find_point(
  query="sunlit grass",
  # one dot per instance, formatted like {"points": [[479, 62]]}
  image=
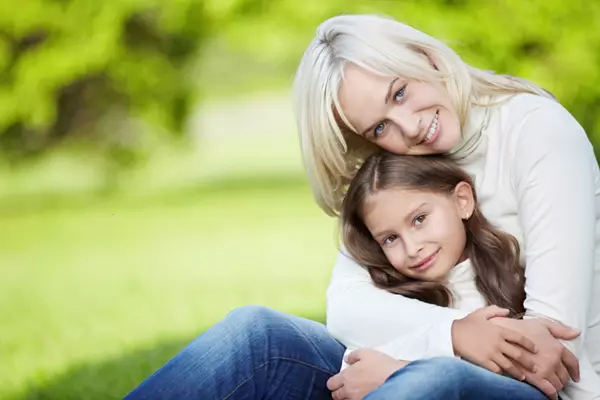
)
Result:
{"points": [[97, 292]]}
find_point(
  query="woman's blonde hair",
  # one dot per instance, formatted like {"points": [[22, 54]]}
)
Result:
{"points": [[331, 150]]}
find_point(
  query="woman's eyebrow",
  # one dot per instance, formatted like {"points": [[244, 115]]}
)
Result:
{"points": [[388, 95], [389, 92]]}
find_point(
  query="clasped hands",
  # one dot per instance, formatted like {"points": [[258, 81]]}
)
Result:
{"points": [[528, 350]]}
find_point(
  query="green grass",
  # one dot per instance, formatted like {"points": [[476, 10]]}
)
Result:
{"points": [[97, 292]]}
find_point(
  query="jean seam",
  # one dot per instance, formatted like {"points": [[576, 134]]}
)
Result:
{"points": [[316, 348], [267, 362]]}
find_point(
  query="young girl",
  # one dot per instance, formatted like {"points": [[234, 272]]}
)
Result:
{"points": [[415, 225]]}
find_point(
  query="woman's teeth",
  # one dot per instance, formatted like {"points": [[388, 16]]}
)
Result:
{"points": [[432, 128]]}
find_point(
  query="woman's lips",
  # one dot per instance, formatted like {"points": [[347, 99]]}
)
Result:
{"points": [[433, 130]]}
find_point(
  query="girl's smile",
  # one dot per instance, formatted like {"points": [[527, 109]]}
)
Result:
{"points": [[420, 232], [423, 265]]}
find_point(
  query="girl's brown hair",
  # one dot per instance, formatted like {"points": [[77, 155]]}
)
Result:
{"points": [[494, 254]]}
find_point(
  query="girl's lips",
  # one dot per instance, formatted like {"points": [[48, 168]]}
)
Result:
{"points": [[426, 263]]}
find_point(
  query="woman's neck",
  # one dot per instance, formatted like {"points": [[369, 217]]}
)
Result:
{"points": [[476, 123]]}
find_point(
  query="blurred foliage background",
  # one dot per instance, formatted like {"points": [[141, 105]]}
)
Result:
{"points": [[150, 179]]}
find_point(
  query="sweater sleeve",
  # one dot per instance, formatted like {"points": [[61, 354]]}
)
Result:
{"points": [[360, 315], [553, 173]]}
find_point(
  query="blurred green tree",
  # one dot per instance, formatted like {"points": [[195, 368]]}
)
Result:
{"points": [[104, 72], [111, 73], [554, 43]]}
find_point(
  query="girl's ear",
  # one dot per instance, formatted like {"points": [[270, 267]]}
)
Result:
{"points": [[464, 200]]}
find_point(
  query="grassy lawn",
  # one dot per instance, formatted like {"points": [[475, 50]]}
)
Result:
{"points": [[96, 293]]}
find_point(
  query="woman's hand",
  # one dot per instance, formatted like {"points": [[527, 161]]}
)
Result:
{"points": [[554, 364], [492, 346], [367, 371]]}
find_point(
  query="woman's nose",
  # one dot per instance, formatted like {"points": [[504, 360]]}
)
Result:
{"points": [[409, 124]]}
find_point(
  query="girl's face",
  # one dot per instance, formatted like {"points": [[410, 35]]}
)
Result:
{"points": [[400, 116], [421, 232]]}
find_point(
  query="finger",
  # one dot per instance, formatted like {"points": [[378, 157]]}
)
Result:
{"points": [[555, 381], [492, 366], [563, 375], [339, 395], [494, 311], [542, 384], [519, 339], [519, 355], [335, 382], [353, 357], [571, 363], [509, 367], [561, 331]]}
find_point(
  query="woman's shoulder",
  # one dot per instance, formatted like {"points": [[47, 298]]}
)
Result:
{"points": [[526, 103], [536, 115]]}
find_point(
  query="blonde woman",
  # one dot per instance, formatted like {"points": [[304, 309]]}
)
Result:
{"points": [[368, 82]]}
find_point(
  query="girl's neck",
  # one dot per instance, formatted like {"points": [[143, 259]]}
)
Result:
{"points": [[463, 257]]}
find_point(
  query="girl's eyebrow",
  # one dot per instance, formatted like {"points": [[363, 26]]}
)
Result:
{"points": [[384, 232], [408, 218], [386, 100], [415, 210]]}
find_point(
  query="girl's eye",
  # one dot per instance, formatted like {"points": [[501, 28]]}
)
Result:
{"points": [[399, 94], [389, 239], [378, 130], [419, 219]]}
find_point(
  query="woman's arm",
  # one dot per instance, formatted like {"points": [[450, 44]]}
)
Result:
{"points": [[554, 175], [360, 315]]}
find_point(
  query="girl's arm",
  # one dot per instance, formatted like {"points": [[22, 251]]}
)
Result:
{"points": [[554, 175]]}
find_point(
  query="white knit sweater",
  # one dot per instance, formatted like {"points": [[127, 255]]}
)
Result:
{"points": [[537, 178]]}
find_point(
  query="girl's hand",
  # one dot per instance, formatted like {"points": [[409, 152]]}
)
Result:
{"points": [[367, 371], [554, 364], [492, 346]]}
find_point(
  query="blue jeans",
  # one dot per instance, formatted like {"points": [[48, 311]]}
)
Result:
{"points": [[259, 353], [451, 378]]}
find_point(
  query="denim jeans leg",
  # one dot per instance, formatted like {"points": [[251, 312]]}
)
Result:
{"points": [[447, 378], [253, 353]]}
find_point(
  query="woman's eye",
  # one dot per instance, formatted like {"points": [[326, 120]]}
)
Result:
{"points": [[389, 239], [378, 130], [399, 94], [420, 219]]}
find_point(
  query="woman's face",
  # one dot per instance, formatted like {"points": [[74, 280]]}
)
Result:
{"points": [[400, 116]]}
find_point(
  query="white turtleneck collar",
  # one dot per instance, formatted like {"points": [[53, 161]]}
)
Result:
{"points": [[461, 282], [473, 131]]}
